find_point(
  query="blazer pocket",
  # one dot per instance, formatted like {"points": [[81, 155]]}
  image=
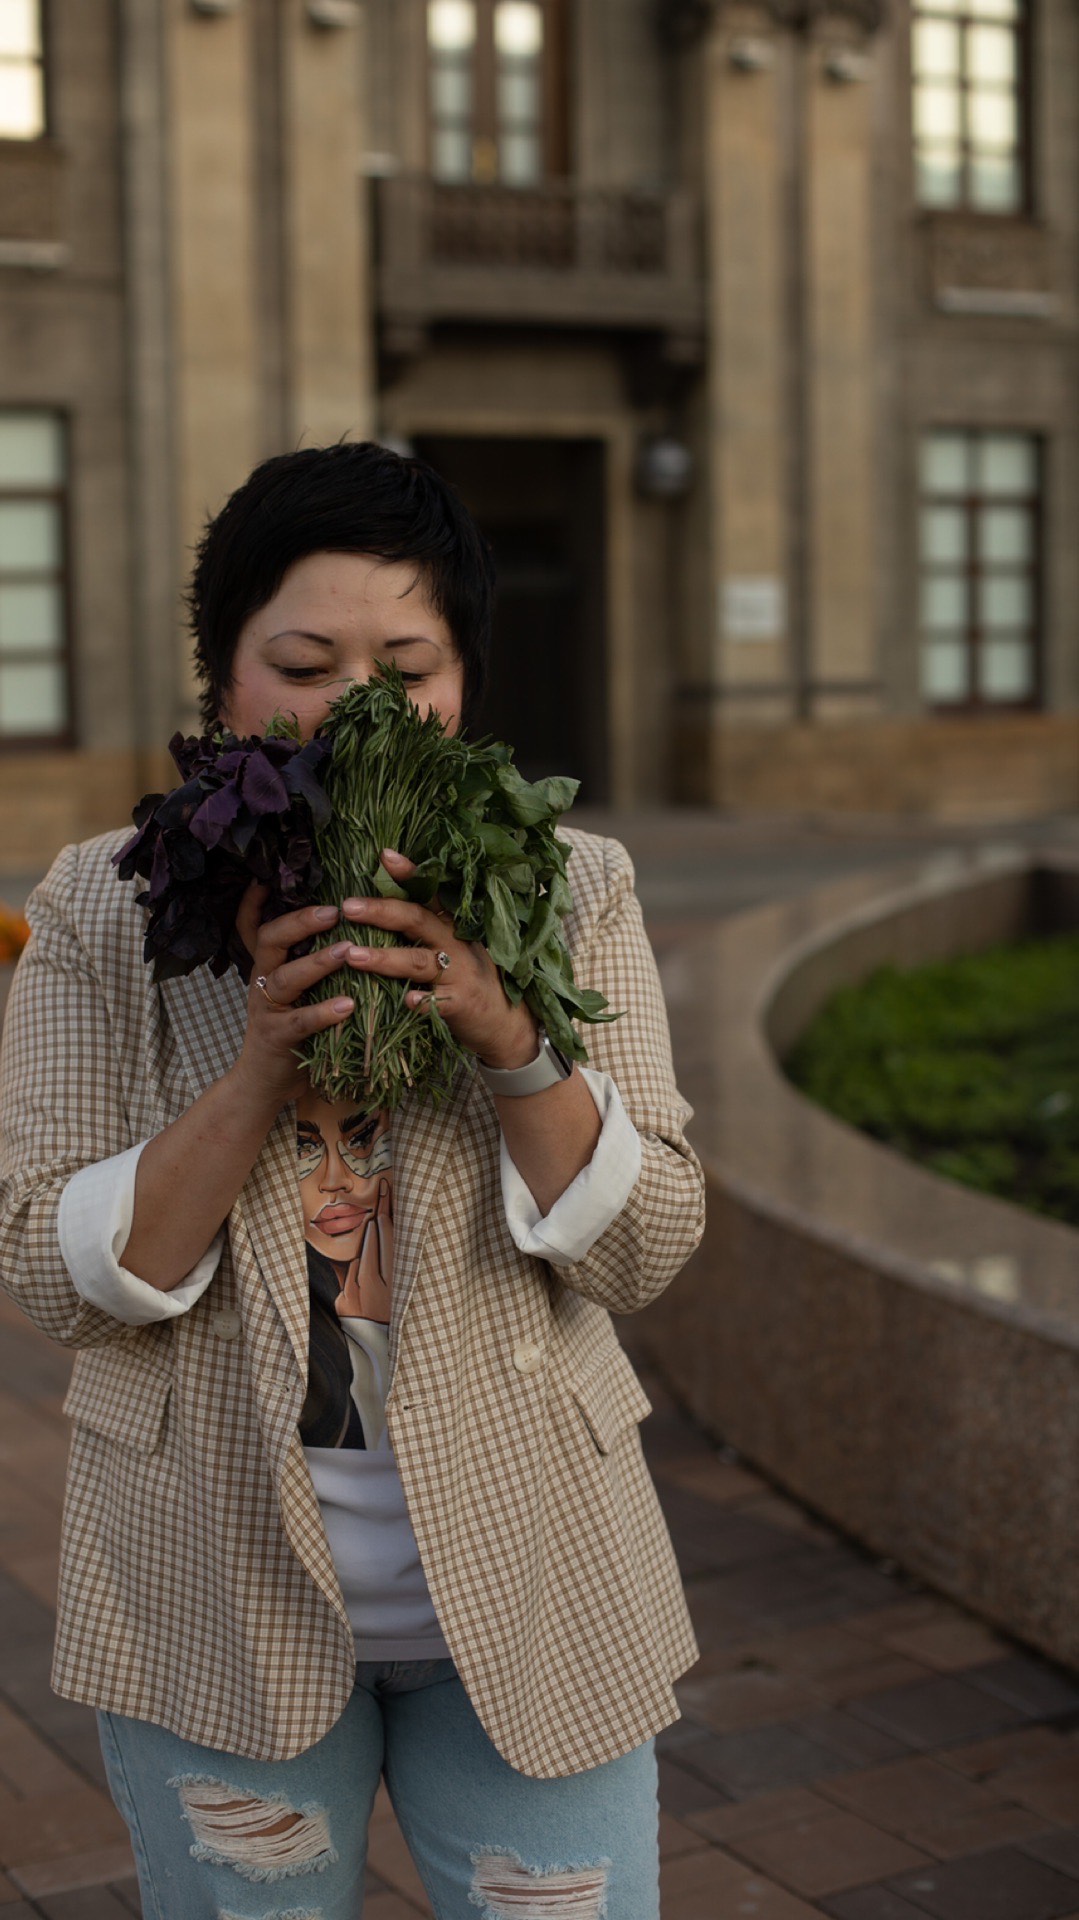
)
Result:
{"points": [[120, 1395], [611, 1398]]}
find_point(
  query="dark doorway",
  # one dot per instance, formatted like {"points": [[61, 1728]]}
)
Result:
{"points": [[540, 503]]}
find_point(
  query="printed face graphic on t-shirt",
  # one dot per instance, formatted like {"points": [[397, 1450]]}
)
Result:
{"points": [[344, 1161]]}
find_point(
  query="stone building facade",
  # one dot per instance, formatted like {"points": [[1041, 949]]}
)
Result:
{"points": [[748, 330]]}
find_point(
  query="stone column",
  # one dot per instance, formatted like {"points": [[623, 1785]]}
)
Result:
{"points": [[745, 673], [213, 280], [326, 227], [841, 376]]}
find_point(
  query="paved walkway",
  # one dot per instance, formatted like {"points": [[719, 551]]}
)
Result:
{"points": [[851, 1744]]}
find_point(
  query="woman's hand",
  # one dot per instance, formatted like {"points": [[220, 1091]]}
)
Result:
{"points": [[267, 1068], [468, 992]]}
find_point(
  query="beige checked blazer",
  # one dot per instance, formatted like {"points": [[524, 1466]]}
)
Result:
{"points": [[197, 1588]]}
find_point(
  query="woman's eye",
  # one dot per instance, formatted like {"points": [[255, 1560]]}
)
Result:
{"points": [[413, 679], [300, 673]]}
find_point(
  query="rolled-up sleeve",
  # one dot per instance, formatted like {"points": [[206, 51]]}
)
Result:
{"points": [[94, 1223], [592, 1200]]}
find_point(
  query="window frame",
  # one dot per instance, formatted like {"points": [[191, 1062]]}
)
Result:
{"points": [[1023, 93], [22, 141], [65, 738], [485, 124], [972, 502]]}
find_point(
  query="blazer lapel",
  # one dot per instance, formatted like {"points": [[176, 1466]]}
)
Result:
{"points": [[208, 1017], [422, 1139]]}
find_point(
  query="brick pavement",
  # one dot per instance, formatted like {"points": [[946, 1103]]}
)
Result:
{"points": [[851, 1745]]}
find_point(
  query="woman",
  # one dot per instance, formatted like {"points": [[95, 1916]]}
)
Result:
{"points": [[355, 1485]]}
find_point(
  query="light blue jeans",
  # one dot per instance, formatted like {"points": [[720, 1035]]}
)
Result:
{"points": [[218, 1837]]}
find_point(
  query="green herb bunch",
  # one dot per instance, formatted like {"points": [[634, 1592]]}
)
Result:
{"points": [[483, 839]]}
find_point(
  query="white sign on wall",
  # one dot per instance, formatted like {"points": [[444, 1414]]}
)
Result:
{"points": [[752, 607]]}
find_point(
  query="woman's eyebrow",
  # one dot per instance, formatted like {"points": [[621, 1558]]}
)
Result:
{"points": [[308, 1126], [324, 639], [356, 1121]]}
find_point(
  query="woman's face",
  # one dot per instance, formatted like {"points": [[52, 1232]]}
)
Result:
{"points": [[333, 619], [341, 1157]]}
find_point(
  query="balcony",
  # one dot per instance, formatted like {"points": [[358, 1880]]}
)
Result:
{"points": [[553, 256]]}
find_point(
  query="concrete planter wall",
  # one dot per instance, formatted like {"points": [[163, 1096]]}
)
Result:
{"points": [[900, 1352]]}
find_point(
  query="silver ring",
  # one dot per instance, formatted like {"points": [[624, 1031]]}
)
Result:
{"points": [[443, 960], [260, 982]]}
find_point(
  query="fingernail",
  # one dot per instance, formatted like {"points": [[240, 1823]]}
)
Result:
{"points": [[343, 1006], [356, 906], [359, 954], [391, 853], [325, 914]]}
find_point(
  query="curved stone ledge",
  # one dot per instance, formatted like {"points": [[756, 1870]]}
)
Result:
{"points": [[897, 1350]]}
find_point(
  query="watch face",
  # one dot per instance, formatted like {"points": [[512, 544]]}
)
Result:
{"points": [[554, 1053]]}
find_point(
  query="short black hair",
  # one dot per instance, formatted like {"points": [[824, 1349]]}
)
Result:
{"points": [[355, 497]]}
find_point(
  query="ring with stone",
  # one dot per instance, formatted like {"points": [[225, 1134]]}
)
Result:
{"points": [[443, 960], [260, 982]]}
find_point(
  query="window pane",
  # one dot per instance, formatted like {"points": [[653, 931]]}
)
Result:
{"points": [[942, 6], [1007, 463], [1006, 669], [22, 102], [936, 48], [944, 534], [994, 9], [939, 177], [991, 54], [1005, 535], [945, 602], [520, 159], [945, 467], [20, 27], [31, 616], [31, 699], [518, 98], [518, 27], [936, 112], [451, 154], [31, 450], [451, 23], [451, 90], [945, 671], [991, 120], [995, 185], [29, 535], [1005, 600]]}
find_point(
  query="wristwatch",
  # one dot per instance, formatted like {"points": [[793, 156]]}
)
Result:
{"points": [[546, 1070]]}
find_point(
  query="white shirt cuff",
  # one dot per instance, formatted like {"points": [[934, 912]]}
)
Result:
{"points": [[592, 1200], [94, 1222]]}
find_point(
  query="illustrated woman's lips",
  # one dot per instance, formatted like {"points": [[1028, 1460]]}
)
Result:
{"points": [[340, 1219]]}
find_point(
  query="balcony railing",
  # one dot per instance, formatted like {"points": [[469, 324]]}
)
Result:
{"points": [[557, 255]]}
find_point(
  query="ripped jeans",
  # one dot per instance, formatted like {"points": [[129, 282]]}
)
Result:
{"points": [[217, 1837]]}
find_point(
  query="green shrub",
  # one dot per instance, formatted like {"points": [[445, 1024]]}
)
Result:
{"points": [[969, 1066]]}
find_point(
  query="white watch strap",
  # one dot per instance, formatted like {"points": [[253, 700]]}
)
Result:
{"points": [[546, 1070]]}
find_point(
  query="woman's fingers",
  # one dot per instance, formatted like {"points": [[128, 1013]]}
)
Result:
{"points": [[275, 938], [399, 963], [287, 982]]}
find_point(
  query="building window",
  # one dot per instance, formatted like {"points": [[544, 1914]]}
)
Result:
{"points": [[33, 622], [970, 63], [22, 79], [980, 515], [496, 96]]}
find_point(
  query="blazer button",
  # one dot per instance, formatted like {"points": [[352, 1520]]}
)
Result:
{"points": [[527, 1356], [226, 1325]]}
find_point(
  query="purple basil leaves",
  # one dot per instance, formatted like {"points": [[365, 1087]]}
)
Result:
{"points": [[246, 810]]}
